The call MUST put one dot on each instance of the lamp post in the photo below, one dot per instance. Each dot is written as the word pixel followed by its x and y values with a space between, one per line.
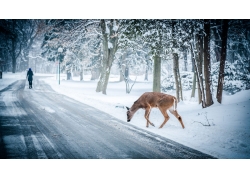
pixel 60 50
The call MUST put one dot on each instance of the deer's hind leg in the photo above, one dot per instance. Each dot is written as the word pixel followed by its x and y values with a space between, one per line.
pixel 175 113
pixel 147 113
pixel 166 117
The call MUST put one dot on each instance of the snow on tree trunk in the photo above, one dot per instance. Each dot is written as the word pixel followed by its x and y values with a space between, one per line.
pixel 110 45
pixel 194 71
pixel 194 85
pixel 198 68
pixel 222 60
pixel 100 83
pixel 123 65
pixel 177 76
pixel 157 73
pixel 176 63
pixel 200 62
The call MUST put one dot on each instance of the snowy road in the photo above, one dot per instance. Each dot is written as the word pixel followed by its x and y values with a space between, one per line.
pixel 40 123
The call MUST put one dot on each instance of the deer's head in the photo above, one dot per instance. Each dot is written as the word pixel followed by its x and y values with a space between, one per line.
pixel 129 114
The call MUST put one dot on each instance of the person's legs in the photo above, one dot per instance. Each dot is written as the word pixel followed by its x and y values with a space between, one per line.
pixel 30 84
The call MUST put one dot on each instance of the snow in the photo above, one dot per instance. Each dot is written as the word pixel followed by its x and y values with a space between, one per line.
pixel 110 45
pixel 227 137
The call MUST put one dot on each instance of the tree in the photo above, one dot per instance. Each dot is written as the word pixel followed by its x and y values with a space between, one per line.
pixel 79 38
pixel 207 63
pixel 222 60
pixel 110 46
pixel 176 69
pixel 216 35
pixel 152 34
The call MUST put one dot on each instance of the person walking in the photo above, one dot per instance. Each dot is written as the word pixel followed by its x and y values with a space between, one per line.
pixel 30 77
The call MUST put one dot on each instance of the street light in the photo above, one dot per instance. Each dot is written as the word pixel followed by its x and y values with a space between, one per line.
pixel 60 50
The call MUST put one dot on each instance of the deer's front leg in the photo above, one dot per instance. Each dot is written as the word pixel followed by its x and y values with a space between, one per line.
pixel 147 113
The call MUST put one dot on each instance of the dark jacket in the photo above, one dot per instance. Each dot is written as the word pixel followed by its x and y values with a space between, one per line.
pixel 30 75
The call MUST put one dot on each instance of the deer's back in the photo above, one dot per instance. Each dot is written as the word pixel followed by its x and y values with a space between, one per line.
pixel 155 99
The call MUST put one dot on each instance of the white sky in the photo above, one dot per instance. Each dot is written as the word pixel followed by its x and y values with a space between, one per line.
pixel 97 9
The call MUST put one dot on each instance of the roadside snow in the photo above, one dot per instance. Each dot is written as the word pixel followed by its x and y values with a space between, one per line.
pixel 9 78
pixel 227 135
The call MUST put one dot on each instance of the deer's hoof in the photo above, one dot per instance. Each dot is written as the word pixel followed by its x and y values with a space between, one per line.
pixel 153 124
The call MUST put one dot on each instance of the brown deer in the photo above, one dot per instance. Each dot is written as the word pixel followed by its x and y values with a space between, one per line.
pixel 150 100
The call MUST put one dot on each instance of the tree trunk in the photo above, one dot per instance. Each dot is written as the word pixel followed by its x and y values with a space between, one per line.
pixel 95 73
pixel 147 68
pixel 222 60
pixel 122 70
pixel 100 84
pixel 180 85
pixel 200 63
pixel 207 64
pixel 110 45
pixel 198 68
pixel 111 55
pixel 157 74
pixel 185 59
pixel 175 70
pixel 122 67
pixel 217 39
pixel 176 64
pixel 13 55
pixel 81 75
pixel 194 71
pixel 194 85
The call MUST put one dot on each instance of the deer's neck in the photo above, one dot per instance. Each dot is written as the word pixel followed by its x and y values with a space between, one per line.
pixel 134 108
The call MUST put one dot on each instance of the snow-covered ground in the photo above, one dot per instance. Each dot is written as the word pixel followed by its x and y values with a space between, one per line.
pixel 227 137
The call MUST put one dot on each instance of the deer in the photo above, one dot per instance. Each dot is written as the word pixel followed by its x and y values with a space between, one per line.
pixel 150 100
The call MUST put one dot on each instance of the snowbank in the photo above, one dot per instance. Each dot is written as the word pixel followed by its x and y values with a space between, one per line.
pixel 221 130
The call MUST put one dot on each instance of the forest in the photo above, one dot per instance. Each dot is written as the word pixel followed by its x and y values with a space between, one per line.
pixel 202 55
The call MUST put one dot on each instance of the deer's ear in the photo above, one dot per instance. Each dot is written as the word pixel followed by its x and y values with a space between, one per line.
pixel 127 108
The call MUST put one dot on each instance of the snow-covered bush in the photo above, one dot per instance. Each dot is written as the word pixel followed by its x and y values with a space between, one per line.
pixel 236 78
pixel 168 83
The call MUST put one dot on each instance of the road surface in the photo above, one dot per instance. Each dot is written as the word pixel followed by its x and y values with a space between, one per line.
pixel 39 123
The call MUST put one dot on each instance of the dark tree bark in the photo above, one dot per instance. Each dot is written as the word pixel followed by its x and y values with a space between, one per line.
pixel 207 63
pixel 198 58
pixel 217 39
pixel 200 65
pixel 197 69
pixel 194 71
pixel 222 60
pixel 185 59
